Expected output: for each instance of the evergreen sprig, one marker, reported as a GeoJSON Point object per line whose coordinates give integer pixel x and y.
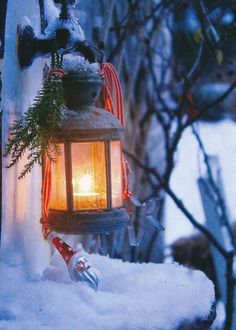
{"type": "Point", "coordinates": [34, 132]}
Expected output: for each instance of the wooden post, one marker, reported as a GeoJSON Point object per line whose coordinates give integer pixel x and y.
{"type": "Point", "coordinates": [3, 8]}
{"type": "Point", "coordinates": [21, 202]}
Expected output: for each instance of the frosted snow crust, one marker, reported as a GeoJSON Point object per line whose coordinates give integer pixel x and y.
{"type": "Point", "coordinates": [78, 63]}
{"type": "Point", "coordinates": [131, 296]}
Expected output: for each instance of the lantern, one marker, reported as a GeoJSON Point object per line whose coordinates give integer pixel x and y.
{"type": "Point", "coordinates": [87, 180]}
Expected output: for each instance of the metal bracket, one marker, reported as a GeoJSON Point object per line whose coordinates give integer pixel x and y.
{"type": "Point", "coordinates": [31, 47]}
{"type": "Point", "coordinates": [64, 8]}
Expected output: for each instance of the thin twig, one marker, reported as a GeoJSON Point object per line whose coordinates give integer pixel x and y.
{"type": "Point", "coordinates": [220, 200]}
{"type": "Point", "coordinates": [181, 206]}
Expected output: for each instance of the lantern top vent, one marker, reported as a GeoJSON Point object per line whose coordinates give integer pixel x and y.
{"type": "Point", "coordinates": [81, 88]}
{"type": "Point", "coordinates": [81, 119]}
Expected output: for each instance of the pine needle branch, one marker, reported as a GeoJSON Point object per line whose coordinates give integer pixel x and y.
{"type": "Point", "coordinates": [34, 132]}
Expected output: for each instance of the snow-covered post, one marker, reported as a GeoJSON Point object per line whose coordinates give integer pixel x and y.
{"type": "Point", "coordinates": [21, 200]}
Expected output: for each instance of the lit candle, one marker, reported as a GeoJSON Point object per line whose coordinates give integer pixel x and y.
{"type": "Point", "coordinates": [85, 195]}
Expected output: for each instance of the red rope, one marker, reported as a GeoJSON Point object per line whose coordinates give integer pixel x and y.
{"type": "Point", "coordinates": [58, 72]}
{"type": "Point", "coordinates": [112, 92]}
{"type": "Point", "coordinates": [113, 101]}
{"type": "Point", "coordinates": [46, 188]}
{"type": "Point", "coordinates": [46, 192]}
{"type": "Point", "coordinates": [126, 170]}
{"type": "Point", "coordinates": [47, 176]}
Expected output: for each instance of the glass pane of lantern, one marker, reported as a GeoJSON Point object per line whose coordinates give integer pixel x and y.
{"type": "Point", "coordinates": [116, 174]}
{"type": "Point", "coordinates": [89, 175]}
{"type": "Point", "coordinates": [58, 199]}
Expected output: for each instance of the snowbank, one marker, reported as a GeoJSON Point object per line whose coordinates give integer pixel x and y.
{"type": "Point", "coordinates": [131, 296]}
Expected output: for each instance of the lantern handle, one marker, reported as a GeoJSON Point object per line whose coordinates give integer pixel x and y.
{"type": "Point", "coordinates": [90, 52]}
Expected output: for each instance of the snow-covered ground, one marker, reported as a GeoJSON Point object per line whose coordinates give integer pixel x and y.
{"type": "Point", "coordinates": [131, 296]}
{"type": "Point", "coordinates": [219, 139]}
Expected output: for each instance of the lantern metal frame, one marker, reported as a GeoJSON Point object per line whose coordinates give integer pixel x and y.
{"type": "Point", "coordinates": [84, 122]}
{"type": "Point", "coordinates": [94, 221]}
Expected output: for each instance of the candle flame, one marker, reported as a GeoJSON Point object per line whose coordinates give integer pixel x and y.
{"type": "Point", "coordinates": [85, 183]}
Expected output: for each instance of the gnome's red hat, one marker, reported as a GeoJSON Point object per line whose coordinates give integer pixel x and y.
{"type": "Point", "coordinates": [65, 250]}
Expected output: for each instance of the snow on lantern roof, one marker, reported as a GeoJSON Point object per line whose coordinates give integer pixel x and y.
{"type": "Point", "coordinates": [78, 63]}
{"type": "Point", "coordinates": [130, 296]}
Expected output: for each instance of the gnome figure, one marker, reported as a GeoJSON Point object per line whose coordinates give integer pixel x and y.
{"type": "Point", "coordinates": [79, 267]}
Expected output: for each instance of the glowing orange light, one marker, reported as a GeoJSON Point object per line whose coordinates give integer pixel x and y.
{"type": "Point", "coordinates": [83, 185]}
{"type": "Point", "coordinates": [88, 177]}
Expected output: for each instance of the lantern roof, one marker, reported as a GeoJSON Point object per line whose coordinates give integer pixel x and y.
{"type": "Point", "coordinates": [89, 121]}
{"type": "Point", "coordinates": [81, 119]}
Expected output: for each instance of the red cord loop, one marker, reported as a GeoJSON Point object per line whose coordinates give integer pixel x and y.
{"type": "Point", "coordinates": [126, 170]}
{"type": "Point", "coordinates": [58, 72]}
{"type": "Point", "coordinates": [46, 192]}
{"type": "Point", "coordinates": [112, 92]}
{"type": "Point", "coordinates": [113, 100]}
{"type": "Point", "coordinates": [47, 176]}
